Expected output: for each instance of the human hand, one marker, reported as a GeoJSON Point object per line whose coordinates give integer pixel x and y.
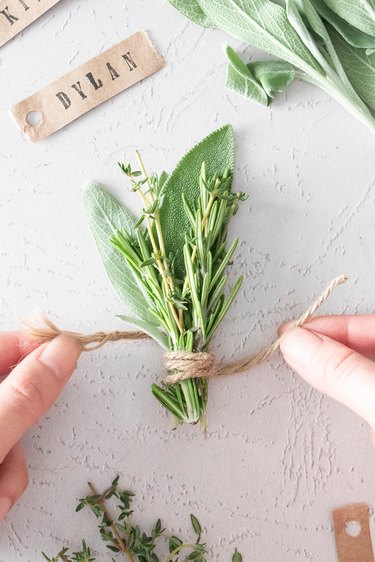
{"type": "Point", "coordinates": [333, 354]}
{"type": "Point", "coordinates": [34, 377]}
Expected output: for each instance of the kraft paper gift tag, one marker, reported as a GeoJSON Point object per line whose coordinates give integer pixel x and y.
{"type": "Point", "coordinates": [86, 87]}
{"type": "Point", "coordinates": [16, 15]}
{"type": "Point", "coordinates": [353, 547]}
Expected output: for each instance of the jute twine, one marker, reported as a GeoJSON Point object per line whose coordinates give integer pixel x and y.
{"type": "Point", "coordinates": [181, 365]}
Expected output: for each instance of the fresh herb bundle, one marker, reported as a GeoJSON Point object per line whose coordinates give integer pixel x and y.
{"type": "Point", "coordinates": [329, 43]}
{"type": "Point", "coordinates": [169, 266]}
{"type": "Point", "coordinates": [122, 537]}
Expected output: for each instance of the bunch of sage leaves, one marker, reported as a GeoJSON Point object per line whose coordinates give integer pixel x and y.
{"type": "Point", "coordinates": [329, 43]}
{"type": "Point", "coordinates": [170, 274]}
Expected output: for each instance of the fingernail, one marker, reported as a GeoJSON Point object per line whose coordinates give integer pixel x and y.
{"type": "Point", "coordinates": [5, 505]}
{"type": "Point", "coordinates": [297, 345]}
{"type": "Point", "coordinates": [61, 356]}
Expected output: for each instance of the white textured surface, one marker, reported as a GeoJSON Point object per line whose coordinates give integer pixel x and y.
{"type": "Point", "coordinates": [277, 456]}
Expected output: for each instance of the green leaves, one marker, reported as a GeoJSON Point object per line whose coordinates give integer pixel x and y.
{"type": "Point", "coordinates": [147, 328]}
{"type": "Point", "coordinates": [263, 24]}
{"type": "Point", "coordinates": [273, 75]}
{"type": "Point", "coordinates": [174, 543]}
{"type": "Point", "coordinates": [258, 80]}
{"type": "Point", "coordinates": [106, 215]}
{"type": "Point", "coordinates": [192, 10]}
{"type": "Point", "coordinates": [168, 266]}
{"type": "Point", "coordinates": [217, 151]}
{"type": "Point", "coordinates": [359, 13]}
{"type": "Point", "coordinates": [241, 80]}
{"type": "Point", "coordinates": [307, 23]}
{"type": "Point", "coordinates": [83, 555]}
{"type": "Point", "coordinates": [196, 525]}
{"type": "Point", "coordinates": [121, 535]}
{"type": "Point", "coordinates": [359, 67]}
{"type": "Point", "coordinates": [351, 34]}
{"type": "Point", "coordinates": [299, 35]}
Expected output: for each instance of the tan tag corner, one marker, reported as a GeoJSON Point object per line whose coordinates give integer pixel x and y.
{"type": "Point", "coordinates": [16, 15]}
{"type": "Point", "coordinates": [352, 532]}
{"type": "Point", "coordinates": [88, 86]}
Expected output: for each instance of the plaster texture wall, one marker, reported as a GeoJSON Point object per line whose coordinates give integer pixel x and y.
{"type": "Point", "coordinates": [277, 456]}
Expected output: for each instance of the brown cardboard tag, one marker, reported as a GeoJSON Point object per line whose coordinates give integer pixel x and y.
{"type": "Point", "coordinates": [88, 86]}
{"type": "Point", "coordinates": [353, 546]}
{"type": "Point", "coordinates": [16, 15]}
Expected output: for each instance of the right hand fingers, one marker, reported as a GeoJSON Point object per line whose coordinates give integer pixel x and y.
{"type": "Point", "coordinates": [32, 387]}
{"type": "Point", "coordinates": [356, 332]}
{"type": "Point", "coordinates": [332, 368]}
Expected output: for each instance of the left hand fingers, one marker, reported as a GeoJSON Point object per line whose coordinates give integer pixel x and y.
{"type": "Point", "coordinates": [13, 479]}
{"type": "Point", "coordinates": [33, 386]}
{"type": "Point", "coordinates": [14, 346]}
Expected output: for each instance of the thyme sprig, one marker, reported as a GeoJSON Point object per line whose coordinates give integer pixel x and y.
{"type": "Point", "coordinates": [189, 310]}
{"type": "Point", "coordinates": [124, 538]}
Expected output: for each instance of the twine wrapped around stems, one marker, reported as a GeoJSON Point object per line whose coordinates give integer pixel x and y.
{"type": "Point", "coordinates": [181, 365]}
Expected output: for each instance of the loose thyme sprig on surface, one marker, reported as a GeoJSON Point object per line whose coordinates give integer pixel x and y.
{"type": "Point", "coordinates": [124, 538]}
{"type": "Point", "coordinates": [169, 266]}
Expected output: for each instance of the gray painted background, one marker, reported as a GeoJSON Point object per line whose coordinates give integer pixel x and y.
{"type": "Point", "coordinates": [277, 456]}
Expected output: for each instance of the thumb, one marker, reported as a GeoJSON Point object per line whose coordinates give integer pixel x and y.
{"type": "Point", "coordinates": [32, 387]}
{"type": "Point", "coordinates": [332, 368]}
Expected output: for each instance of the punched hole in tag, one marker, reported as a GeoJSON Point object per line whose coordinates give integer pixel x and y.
{"type": "Point", "coordinates": [34, 118]}
{"type": "Point", "coordinates": [353, 528]}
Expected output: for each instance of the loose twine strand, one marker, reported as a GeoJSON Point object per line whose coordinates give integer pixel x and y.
{"type": "Point", "coordinates": [90, 342]}
{"type": "Point", "coordinates": [181, 365]}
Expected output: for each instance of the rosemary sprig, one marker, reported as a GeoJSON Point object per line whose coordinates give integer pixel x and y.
{"type": "Point", "coordinates": [124, 538]}
{"type": "Point", "coordinates": [188, 311]}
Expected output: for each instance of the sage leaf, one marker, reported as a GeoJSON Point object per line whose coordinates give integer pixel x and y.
{"type": "Point", "coordinates": [258, 80]}
{"type": "Point", "coordinates": [106, 215]}
{"type": "Point", "coordinates": [273, 75]}
{"type": "Point", "coordinates": [265, 25]}
{"type": "Point", "coordinates": [241, 80]}
{"type": "Point", "coordinates": [351, 34]}
{"type": "Point", "coordinates": [307, 22]}
{"type": "Point", "coordinates": [193, 11]}
{"type": "Point", "coordinates": [148, 328]}
{"type": "Point", "coordinates": [217, 151]}
{"type": "Point", "coordinates": [359, 67]}
{"type": "Point", "coordinates": [359, 13]}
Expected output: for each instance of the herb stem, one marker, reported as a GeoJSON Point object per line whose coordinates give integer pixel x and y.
{"type": "Point", "coordinates": [355, 106]}
{"type": "Point", "coordinates": [208, 209]}
{"type": "Point", "coordinates": [156, 215]}
{"type": "Point", "coordinates": [177, 550]}
{"type": "Point", "coordinates": [159, 255]}
{"type": "Point", "coordinates": [120, 542]}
